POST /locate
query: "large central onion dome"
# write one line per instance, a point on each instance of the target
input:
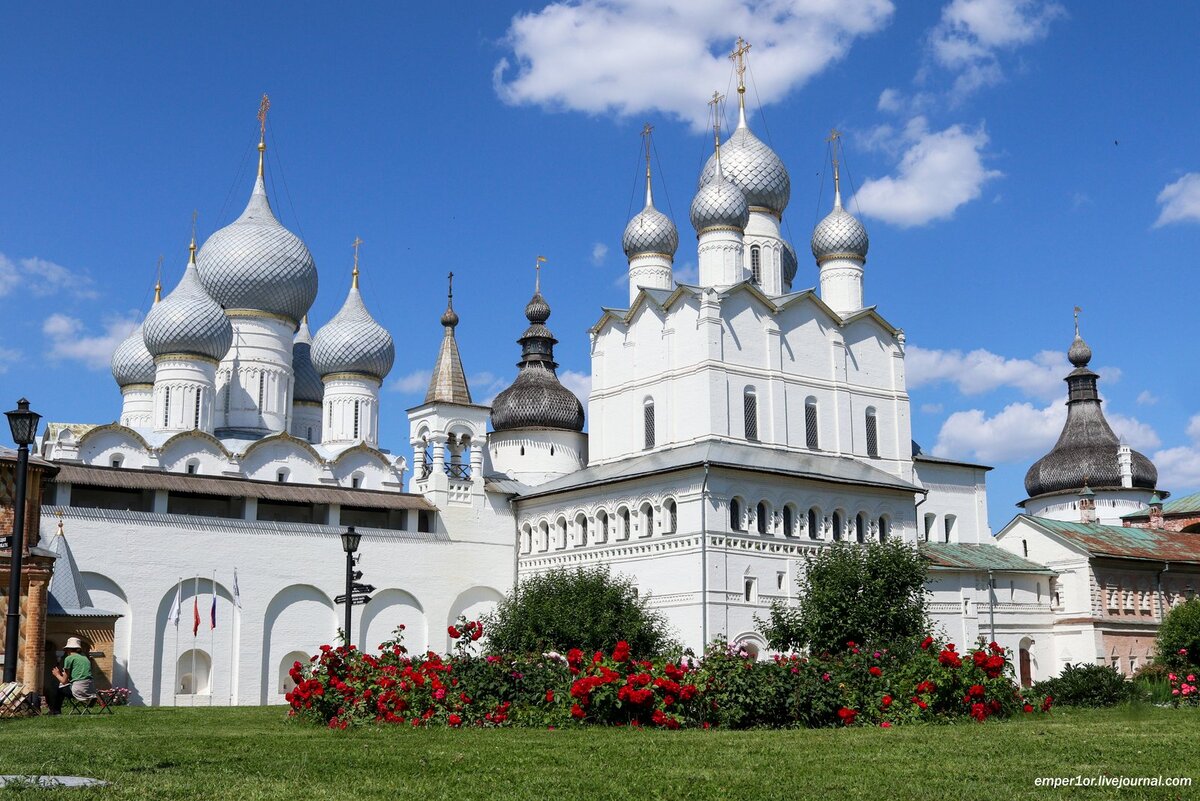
(131, 362)
(352, 342)
(536, 399)
(1087, 451)
(719, 204)
(188, 321)
(754, 167)
(256, 263)
(308, 386)
(839, 236)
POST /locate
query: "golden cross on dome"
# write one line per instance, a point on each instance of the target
(355, 244)
(537, 267)
(738, 57)
(834, 139)
(646, 129)
(263, 106)
(717, 97)
(158, 281)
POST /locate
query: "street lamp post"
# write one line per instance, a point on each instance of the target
(24, 425)
(350, 540)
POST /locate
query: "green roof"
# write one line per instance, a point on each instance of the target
(1184, 505)
(962, 556)
(1129, 542)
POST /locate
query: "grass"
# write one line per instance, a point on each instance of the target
(255, 753)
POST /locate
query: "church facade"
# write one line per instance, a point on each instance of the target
(735, 426)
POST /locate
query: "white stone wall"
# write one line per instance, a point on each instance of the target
(955, 509)
(254, 380)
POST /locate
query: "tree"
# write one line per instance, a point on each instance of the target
(588, 609)
(868, 594)
(1180, 631)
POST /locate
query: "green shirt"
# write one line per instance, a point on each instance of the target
(77, 667)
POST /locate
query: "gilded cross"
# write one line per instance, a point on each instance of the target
(357, 241)
(738, 57)
(263, 106)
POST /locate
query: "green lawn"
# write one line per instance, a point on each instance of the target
(255, 753)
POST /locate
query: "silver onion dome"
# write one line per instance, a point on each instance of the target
(308, 386)
(839, 236)
(188, 321)
(719, 203)
(131, 362)
(256, 263)
(352, 342)
(650, 231)
(754, 167)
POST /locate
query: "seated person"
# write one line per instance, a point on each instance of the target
(74, 677)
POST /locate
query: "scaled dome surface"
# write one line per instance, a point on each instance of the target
(755, 168)
(719, 203)
(256, 263)
(308, 386)
(840, 235)
(131, 362)
(188, 321)
(650, 231)
(352, 342)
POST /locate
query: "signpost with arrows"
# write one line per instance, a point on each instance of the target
(357, 594)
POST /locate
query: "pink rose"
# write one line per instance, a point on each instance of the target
(825, 677)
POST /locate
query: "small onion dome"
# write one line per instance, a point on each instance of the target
(650, 231)
(188, 321)
(352, 342)
(754, 167)
(131, 362)
(308, 386)
(536, 399)
(839, 236)
(1079, 353)
(719, 204)
(256, 263)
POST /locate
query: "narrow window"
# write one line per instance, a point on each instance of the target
(281, 476)
(329, 422)
(788, 521)
(813, 521)
(756, 264)
(191, 468)
(780, 578)
(883, 529)
(860, 527)
(872, 434)
(166, 407)
(810, 423)
(225, 402)
(116, 461)
(262, 384)
(930, 519)
(648, 520)
(735, 515)
(1025, 547)
(354, 482)
(750, 590)
(672, 511)
(750, 412)
(837, 525)
(309, 437)
(624, 515)
(761, 514)
(648, 423)
(356, 408)
(199, 399)
(949, 526)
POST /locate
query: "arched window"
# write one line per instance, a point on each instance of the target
(814, 523)
(872, 433)
(756, 264)
(560, 533)
(949, 525)
(166, 407)
(884, 529)
(623, 513)
(837, 525)
(761, 513)
(670, 516)
(648, 423)
(789, 521)
(193, 467)
(601, 526)
(543, 540)
(581, 529)
(735, 514)
(646, 520)
(357, 404)
(750, 413)
(526, 539)
(196, 415)
(262, 379)
(860, 527)
(810, 424)
(281, 476)
(930, 521)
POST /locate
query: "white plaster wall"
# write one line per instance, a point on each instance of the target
(261, 352)
(957, 491)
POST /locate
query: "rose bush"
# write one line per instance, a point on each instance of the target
(926, 680)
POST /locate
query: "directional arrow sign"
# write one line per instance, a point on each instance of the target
(363, 587)
(341, 599)
(357, 574)
(359, 600)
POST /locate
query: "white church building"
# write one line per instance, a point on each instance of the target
(733, 426)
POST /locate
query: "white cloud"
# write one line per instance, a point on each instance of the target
(411, 383)
(1022, 432)
(971, 33)
(688, 273)
(932, 408)
(69, 341)
(636, 56)
(1146, 398)
(1180, 201)
(579, 383)
(940, 171)
(485, 386)
(41, 278)
(981, 371)
(1179, 467)
(599, 251)
(7, 357)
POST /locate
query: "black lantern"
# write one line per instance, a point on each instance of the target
(350, 540)
(24, 423)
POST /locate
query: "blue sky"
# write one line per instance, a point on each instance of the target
(1011, 160)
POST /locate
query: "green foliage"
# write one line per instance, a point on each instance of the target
(1180, 632)
(871, 593)
(1087, 685)
(589, 609)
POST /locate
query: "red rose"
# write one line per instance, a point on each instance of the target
(454, 633)
(621, 652)
(979, 712)
(478, 632)
(1046, 704)
(976, 690)
(549, 696)
(887, 701)
(577, 711)
(925, 643)
(847, 715)
(455, 720)
(875, 671)
(1028, 707)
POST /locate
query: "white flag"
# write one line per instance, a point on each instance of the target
(173, 615)
(237, 594)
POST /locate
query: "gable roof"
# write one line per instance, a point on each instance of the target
(1186, 505)
(731, 455)
(1124, 542)
(67, 597)
(965, 556)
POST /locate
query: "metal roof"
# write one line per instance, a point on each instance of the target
(67, 597)
(733, 455)
(122, 478)
(964, 556)
(1128, 542)
(1188, 504)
